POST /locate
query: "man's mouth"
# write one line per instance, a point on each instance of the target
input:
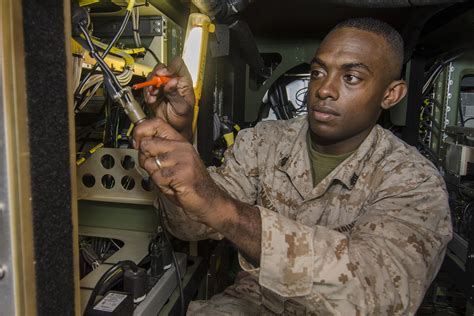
(323, 114)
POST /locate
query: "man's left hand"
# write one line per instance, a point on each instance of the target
(175, 167)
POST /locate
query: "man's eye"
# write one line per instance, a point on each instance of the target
(316, 74)
(352, 79)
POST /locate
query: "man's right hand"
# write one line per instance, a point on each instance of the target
(173, 103)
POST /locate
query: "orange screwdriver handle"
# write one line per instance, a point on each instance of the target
(156, 81)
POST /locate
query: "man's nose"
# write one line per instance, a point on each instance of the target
(329, 89)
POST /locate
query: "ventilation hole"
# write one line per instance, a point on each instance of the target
(127, 162)
(107, 161)
(108, 181)
(128, 183)
(88, 180)
(147, 184)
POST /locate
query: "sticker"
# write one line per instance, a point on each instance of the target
(110, 302)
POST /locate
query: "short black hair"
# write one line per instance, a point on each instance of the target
(391, 36)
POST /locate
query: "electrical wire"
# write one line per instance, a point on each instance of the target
(136, 26)
(109, 47)
(116, 82)
(434, 74)
(175, 261)
(105, 277)
(136, 33)
(100, 61)
(77, 70)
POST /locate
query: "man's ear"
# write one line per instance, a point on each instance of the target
(395, 91)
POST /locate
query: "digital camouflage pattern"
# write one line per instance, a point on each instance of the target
(368, 239)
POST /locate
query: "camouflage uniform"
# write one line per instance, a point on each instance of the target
(368, 239)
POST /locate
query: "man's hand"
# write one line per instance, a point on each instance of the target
(181, 176)
(174, 102)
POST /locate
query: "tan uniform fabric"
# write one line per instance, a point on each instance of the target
(368, 239)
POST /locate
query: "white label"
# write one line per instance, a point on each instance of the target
(110, 302)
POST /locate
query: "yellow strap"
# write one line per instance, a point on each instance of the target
(195, 117)
(83, 3)
(76, 48)
(116, 51)
(132, 51)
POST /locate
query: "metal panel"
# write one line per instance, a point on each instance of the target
(7, 299)
(459, 159)
(106, 176)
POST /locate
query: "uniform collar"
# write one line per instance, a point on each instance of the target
(294, 161)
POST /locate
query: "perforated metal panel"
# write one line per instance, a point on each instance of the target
(113, 175)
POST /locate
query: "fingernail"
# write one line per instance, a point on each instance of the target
(134, 143)
(162, 72)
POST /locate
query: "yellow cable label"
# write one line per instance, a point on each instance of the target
(237, 127)
(130, 129)
(93, 150)
(229, 139)
(80, 161)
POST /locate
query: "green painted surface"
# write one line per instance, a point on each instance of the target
(118, 215)
(293, 53)
(447, 96)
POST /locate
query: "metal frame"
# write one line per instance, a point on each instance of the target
(17, 276)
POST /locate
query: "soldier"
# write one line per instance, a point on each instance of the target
(331, 213)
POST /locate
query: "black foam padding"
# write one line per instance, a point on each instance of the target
(46, 82)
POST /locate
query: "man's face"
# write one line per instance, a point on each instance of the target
(348, 81)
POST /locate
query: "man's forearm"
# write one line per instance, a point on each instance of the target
(242, 225)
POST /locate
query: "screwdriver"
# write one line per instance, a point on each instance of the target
(156, 81)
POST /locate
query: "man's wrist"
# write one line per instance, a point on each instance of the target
(223, 210)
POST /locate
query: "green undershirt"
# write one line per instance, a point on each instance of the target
(322, 164)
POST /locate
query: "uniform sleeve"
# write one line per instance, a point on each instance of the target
(383, 266)
(237, 176)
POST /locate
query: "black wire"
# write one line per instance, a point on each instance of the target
(107, 72)
(153, 54)
(105, 277)
(175, 261)
(111, 44)
(467, 120)
(301, 92)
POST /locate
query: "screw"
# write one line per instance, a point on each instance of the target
(2, 272)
